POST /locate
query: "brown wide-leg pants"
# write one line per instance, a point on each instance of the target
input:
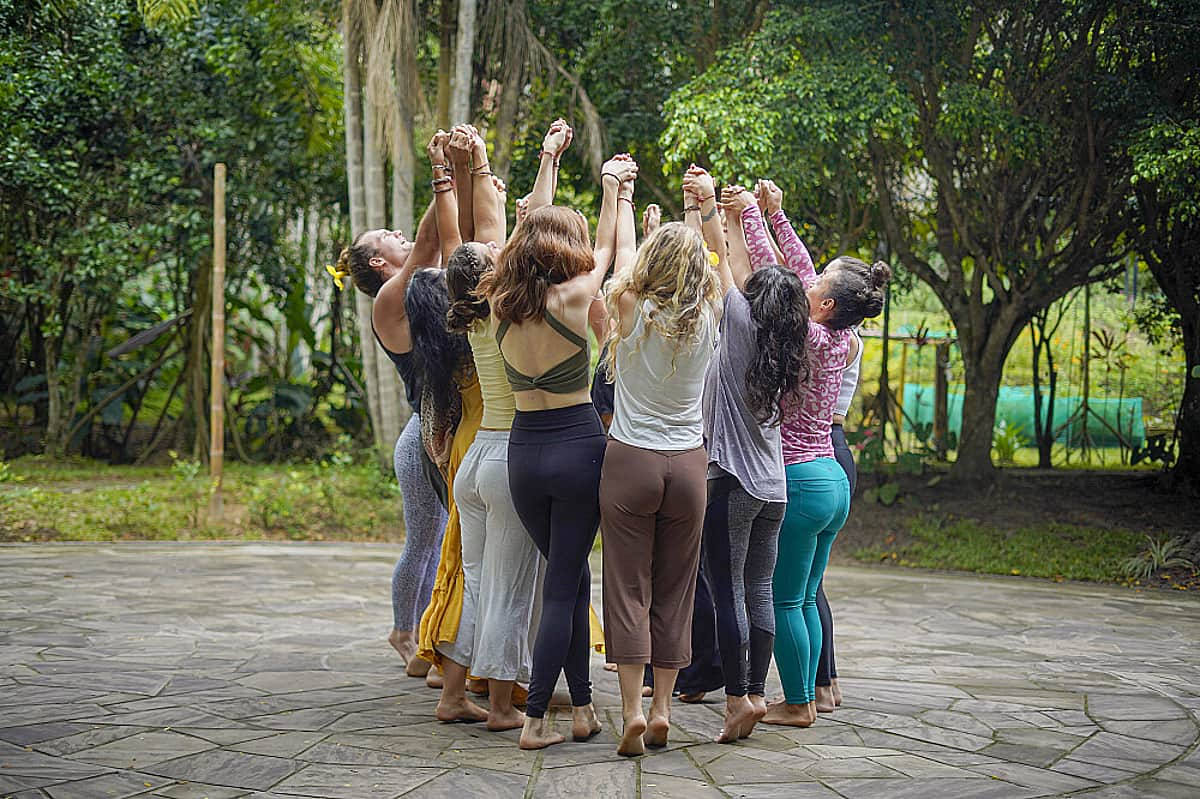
(651, 520)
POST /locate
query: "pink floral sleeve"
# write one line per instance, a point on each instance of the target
(793, 249)
(757, 242)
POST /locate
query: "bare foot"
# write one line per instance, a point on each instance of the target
(405, 644)
(759, 704)
(631, 744)
(584, 724)
(837, 692)
(738, 713)
(478, 687)
(825, 701)
(791, 715)
(462, 710)
(417, 667)
(434, 679)
(538, 734)
(498, 722)
(657, 730)
(647, 690)
(692, 699)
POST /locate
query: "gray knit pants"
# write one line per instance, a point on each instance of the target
(424, 524)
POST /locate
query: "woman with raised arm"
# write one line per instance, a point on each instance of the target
(662, 300)
(760, 360)
(444, 362)
(846, 292)
(501, 565)
(539, 295)
(381, 263)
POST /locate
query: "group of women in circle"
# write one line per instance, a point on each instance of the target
(718, 477)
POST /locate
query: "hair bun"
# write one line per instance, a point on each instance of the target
(881, 273)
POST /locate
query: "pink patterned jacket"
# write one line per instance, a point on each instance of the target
(807, 420)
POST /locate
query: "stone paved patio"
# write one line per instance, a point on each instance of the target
(219, 671)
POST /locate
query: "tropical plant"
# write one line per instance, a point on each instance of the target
(1160, 554)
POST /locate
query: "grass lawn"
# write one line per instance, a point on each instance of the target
(1054, 550)
(80, 500)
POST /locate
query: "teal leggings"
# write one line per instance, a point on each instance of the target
(818, 503)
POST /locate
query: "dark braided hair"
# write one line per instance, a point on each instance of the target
(438, 355)
(466, 266)
(779, 308)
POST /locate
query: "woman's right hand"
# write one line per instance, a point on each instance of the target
(621, 166)
(436, 149)
(558, 138)
(772, 195)
(651, 218)
(735, 200)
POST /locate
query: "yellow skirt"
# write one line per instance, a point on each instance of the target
(439, 623)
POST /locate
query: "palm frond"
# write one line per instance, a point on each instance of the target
(167, 12)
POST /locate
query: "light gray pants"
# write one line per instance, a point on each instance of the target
(424, 525)
(502, 568)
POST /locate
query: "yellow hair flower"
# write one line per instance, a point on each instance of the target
(337, 275)
(713, 258)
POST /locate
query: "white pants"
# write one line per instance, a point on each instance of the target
(502, 569)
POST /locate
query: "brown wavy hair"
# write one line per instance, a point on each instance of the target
(550, 247)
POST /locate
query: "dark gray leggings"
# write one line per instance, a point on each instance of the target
(554, 462)
(741, 534)
(827, 664)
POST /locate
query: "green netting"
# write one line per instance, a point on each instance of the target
(1107, 418)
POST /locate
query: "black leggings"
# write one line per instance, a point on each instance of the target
(827, 664)
(554, 460)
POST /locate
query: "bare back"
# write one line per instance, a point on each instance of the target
(535, 347)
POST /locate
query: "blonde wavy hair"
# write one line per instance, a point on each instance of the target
(673, 272)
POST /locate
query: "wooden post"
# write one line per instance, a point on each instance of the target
(941, 398)
(216, 447)
(900, 396)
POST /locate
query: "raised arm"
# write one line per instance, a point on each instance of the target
(701, 185)
(691, 206)
(426, 250)
(444, 197)
(761, 197)
(735, 199)
(626, 234)
(458, 152)
(615, 171)
(795, 254)
(558, 138)
(757, 241)
(651, 219)
(487, 196)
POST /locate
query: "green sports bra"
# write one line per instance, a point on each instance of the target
(565, 377)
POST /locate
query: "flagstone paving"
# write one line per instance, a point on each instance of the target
(205, 670)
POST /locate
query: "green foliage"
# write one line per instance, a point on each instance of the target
(1058, 551)
(1160, 554)
(1006, 440)
(86, 501)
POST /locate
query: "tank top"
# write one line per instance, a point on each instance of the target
(498, 404)
(565, 377)
(849, 381)
(657, 403)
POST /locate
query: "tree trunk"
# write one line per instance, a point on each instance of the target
(195, 404)
(356, 131)
(447, 14)
(403, 170)
(506, 121)
(974, 461)
(464, 49)
(1187, 467)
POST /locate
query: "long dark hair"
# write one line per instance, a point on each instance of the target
(438, 354)
(779, 308)
(467, 264)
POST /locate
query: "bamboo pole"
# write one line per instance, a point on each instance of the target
(216, 447)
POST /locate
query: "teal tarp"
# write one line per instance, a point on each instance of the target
(1015, 407)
